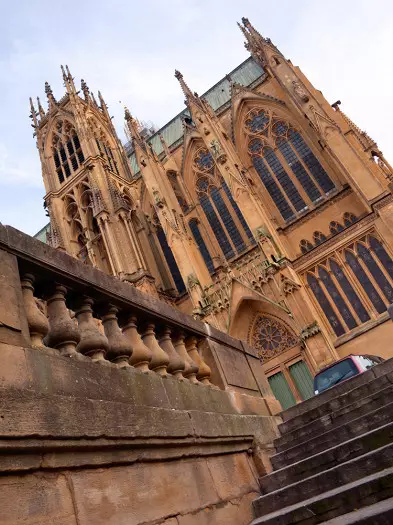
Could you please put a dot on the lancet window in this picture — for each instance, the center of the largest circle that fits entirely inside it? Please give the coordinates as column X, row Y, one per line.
column 223, row 214
column 289, row 170
column 354, row 284
column 168, row 255
column 195, row 230
column 107, row 153
column 67, row 152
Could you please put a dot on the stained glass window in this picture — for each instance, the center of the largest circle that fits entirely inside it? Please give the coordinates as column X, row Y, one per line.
column 319, row 238
column 364, row 281
column 335, row 227
column 292, row 161
column 67, row 151
column 332, row 290
column 305, row 246
column 348, row 290
column 349, row 218
column 382, row 255
column 375, row 270
column 325, row 305
column 174, row 269
column 194, row 226
column 237, row 211
column 227, row 219
column 215, row 225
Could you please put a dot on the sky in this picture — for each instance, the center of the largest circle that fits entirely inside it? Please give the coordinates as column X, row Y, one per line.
column 129, row 50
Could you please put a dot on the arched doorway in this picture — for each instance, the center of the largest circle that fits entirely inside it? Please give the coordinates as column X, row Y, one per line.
column 283, row 361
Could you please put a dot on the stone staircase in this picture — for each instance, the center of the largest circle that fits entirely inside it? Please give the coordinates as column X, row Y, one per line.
column 334, row 459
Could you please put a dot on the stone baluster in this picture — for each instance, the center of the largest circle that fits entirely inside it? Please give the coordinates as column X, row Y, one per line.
column 160, row 359
column 120, row 348
column 191, row 368
column 36, row 320
column 204, row 371
column 141, row 355
column 63, row 332
column 93, row 342
column 176, row 363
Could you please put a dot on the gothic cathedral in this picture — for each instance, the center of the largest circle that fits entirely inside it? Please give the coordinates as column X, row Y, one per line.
column 261, row 209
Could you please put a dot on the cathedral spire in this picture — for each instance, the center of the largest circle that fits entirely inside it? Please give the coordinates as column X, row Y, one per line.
column 104, row 107
column 164, row 145
column 50, row 96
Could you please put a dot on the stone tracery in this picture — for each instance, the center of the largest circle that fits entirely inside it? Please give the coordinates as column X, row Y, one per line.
column 270, row 336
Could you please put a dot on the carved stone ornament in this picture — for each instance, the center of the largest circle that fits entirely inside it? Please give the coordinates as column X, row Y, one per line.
column 159, row 201
column 300, row 91
column 192, row 281
column 309, row 331
column 386, row 171
column 288, row 286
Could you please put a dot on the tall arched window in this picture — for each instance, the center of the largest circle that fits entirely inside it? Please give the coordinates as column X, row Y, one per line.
column 67, row 151
column 107, row 153
column 170, row 260
column 221, row 210
column 194, row 227
column 289, row 170
column 355, row 284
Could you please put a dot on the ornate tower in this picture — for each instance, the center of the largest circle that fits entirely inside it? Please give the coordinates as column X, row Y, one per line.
column 89, row 191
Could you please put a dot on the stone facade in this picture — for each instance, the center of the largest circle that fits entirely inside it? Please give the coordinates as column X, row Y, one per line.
column 261, row 209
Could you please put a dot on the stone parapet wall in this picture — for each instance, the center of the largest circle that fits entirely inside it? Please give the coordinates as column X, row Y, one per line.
column 85, row 438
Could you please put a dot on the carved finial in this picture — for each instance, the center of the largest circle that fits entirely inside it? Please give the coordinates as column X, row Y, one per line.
column 33, row 114
column 186, row 90
column 164, row 145
column 93, row 98
column 49, row 94
column 40, row 108
column 85, row 90
column 64, row 74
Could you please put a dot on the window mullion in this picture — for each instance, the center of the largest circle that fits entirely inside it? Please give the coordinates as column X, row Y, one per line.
column 234, row 249
column 333, row 304
column 373, row 281
column 344, row 297
column 357, row 286
column 293, row 177
column 288, row 200
column 234, row 216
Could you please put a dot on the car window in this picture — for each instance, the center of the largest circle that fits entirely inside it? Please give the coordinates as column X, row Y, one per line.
column 334, row 375
column 365, row 361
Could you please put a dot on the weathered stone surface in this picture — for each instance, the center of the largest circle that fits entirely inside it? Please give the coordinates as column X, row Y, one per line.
column 146, row 492
column 36, row 499
column 222, row 469
column 13, row 321
column 233, row 512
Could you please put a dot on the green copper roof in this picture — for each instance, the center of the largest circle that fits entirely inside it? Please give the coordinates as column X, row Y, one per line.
column 217, row 96
column 41, row 235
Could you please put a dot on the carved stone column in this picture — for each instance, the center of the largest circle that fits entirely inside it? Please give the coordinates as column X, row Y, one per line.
column 176, row 363
column 120, row 348
column 204, row 371
column 191, row 368
column 63, row 332
column 141, row 354
column 37, row 321
column 160, row 359
column 93, row 343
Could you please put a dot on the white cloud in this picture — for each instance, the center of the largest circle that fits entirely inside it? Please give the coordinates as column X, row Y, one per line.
column 129, row 51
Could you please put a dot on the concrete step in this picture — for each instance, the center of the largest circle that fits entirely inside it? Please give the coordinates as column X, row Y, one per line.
column 381, row 513
column 326, row 480
column 356, row 389
column 338, row 390
column 331, row 504
column 334, row 437
column 335, row 419
column 374, row 447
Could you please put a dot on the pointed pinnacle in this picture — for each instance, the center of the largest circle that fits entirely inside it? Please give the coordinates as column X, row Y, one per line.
column 186, row 90
column 64, row 73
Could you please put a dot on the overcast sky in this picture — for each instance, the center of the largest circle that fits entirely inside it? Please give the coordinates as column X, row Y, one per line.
column 129, row 51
